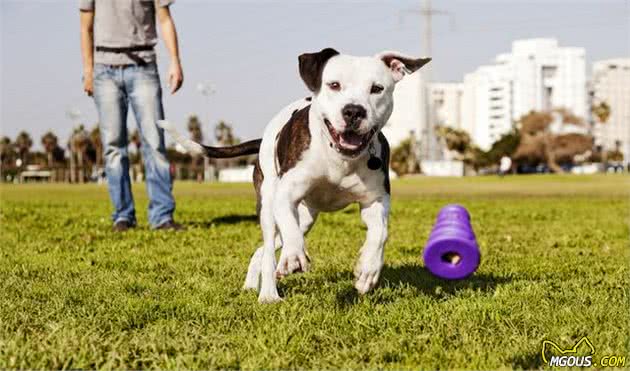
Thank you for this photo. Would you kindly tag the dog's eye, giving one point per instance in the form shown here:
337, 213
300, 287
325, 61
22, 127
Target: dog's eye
376, 89
336, 86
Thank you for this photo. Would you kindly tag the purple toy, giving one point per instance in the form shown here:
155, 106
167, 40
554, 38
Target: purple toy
451, 251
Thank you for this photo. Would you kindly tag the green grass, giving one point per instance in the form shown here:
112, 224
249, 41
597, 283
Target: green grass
73, 294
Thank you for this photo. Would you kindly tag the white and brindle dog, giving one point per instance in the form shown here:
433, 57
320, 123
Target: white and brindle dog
322, 154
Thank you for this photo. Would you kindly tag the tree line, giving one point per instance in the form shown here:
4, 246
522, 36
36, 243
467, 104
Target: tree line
531, 143
81, 157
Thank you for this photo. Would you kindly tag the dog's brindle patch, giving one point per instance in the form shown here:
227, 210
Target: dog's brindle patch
258, 179
385, 160
292, 141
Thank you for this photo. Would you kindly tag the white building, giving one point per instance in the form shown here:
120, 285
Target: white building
611, 84
487, 104
536, 75
445, 101
406, 119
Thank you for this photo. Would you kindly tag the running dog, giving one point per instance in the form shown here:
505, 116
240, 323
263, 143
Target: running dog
320, 154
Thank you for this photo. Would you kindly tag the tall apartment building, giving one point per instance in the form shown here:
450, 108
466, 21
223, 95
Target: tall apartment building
536, 75
405, 120
487, 104
445, 100
611, 84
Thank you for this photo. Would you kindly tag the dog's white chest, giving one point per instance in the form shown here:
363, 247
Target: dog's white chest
331, 196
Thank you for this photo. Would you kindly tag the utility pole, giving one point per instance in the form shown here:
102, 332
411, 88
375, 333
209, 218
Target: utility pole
428, 152
425, 78
74, 115
207, 89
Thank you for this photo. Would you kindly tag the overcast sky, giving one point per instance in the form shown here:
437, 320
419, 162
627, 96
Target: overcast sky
249, 49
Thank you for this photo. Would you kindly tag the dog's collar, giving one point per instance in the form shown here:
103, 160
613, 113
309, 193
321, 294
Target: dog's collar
374, 163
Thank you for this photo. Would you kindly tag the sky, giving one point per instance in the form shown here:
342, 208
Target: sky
248, 51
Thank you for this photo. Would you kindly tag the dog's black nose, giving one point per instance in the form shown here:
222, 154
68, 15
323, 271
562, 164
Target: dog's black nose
353, 114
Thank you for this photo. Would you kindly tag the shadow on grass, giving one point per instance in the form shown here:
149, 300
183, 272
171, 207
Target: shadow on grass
295, 283
415, 276
226, 220
527, 361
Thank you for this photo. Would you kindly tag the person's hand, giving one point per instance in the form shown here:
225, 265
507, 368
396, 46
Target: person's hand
88, 82
175, 76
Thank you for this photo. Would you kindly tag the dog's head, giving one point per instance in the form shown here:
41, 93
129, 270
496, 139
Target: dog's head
354, 95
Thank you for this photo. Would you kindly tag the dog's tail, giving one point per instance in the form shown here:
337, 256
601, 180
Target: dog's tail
246, 148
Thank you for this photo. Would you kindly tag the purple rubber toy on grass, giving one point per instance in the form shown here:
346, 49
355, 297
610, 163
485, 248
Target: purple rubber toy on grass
451, 251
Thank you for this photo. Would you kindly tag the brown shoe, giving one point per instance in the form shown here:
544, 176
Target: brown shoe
170, 226
122, 226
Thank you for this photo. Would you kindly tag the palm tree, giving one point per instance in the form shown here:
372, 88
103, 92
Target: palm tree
135, 158
136, 140
23, 143
538, 144
403, 158
224, 135
50, 143
97, 144
196, 134
455, 139
602, 112
78, 145
7, 152
194, 128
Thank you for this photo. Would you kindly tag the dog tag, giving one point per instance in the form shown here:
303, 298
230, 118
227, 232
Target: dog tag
374, 163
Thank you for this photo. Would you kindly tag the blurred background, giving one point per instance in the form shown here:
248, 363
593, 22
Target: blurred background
514, 87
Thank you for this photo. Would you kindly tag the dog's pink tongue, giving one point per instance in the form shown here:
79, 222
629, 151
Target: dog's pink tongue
351, 139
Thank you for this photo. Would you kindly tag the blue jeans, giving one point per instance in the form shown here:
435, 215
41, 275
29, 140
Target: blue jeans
115, 88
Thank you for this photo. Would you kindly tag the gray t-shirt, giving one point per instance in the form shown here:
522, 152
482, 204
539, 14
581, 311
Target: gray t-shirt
123, 24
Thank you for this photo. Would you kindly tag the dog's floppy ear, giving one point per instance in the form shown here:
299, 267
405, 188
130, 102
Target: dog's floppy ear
312, 65
401, 64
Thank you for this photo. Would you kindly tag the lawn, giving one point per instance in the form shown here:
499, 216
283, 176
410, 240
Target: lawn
74, 294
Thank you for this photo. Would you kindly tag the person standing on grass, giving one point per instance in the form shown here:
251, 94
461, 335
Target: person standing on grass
119, 70
505, 165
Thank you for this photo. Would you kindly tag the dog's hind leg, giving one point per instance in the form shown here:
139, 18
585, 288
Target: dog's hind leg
268, 289
255, 265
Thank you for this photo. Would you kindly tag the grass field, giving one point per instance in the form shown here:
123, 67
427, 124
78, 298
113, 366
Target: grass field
73, 294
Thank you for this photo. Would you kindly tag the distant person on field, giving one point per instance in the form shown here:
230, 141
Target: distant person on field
505, 165
119, 70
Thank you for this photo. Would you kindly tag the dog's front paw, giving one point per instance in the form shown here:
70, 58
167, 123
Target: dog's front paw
269, 296
367, 273
292, 261
251, 283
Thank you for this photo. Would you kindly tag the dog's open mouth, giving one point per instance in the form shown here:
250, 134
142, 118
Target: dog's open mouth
349, 143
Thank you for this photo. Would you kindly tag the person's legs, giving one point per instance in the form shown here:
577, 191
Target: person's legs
111, 102
145, 94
